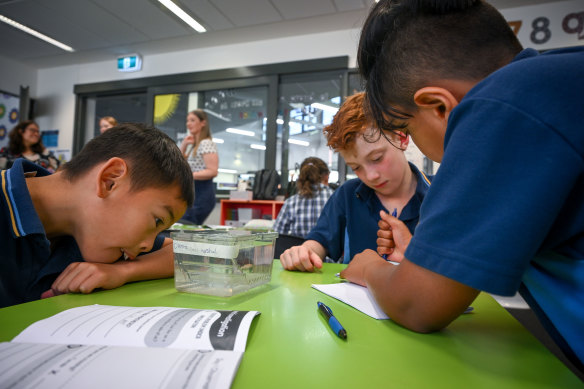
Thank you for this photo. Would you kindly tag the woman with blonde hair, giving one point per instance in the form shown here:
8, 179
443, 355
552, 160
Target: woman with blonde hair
201, 153
107, 122
301, 211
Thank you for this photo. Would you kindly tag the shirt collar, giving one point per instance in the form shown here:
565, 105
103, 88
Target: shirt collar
24, 218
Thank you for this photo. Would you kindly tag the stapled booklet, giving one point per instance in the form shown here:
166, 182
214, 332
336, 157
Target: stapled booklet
103, 346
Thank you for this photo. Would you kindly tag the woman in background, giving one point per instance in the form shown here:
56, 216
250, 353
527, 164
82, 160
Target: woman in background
201, 153
301, 211
25, 142
107, 122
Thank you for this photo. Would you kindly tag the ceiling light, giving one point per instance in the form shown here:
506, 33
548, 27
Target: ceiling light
325, 107
257, 147
240, 132
35, 33
218, 140
175, 9
299, 142
227, 171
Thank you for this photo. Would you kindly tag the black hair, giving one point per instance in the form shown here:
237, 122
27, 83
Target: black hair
154, 160
406, 45
312, 172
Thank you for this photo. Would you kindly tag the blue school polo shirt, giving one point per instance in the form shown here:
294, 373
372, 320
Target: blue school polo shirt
506, 207
28, 263
355, 207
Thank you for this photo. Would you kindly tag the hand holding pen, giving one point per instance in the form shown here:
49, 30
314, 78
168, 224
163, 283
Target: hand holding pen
385, 242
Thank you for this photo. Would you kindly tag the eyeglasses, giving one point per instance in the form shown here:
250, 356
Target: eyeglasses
33, 130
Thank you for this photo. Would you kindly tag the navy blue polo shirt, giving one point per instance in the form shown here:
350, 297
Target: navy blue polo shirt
29, 262
506, 208
355, 207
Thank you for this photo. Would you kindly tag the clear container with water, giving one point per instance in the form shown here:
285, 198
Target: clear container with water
222, 263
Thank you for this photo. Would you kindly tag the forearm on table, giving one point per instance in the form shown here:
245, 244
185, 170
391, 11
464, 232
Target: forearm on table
417, 298
157, 264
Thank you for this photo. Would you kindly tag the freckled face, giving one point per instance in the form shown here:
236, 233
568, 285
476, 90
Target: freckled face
381, 165
128, 222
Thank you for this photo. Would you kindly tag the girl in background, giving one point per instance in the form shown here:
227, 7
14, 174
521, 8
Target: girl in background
201, 153
25, 142
301, 211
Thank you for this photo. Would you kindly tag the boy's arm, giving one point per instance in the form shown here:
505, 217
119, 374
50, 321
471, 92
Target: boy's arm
84, 277
306, 257
412, 296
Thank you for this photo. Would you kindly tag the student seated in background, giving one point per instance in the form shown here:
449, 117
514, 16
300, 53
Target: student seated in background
25, 141
506, 210
386, 181
301, 211
85, 226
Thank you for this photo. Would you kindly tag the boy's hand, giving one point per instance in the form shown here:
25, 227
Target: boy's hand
362, 262
300, 258
393, 237
84, 277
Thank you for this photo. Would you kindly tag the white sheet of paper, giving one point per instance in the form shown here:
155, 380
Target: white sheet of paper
354, 295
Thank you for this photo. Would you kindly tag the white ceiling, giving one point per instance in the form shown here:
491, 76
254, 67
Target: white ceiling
99, 29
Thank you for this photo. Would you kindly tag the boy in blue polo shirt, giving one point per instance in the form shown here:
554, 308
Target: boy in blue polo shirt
71, 231
506, 209
386, 181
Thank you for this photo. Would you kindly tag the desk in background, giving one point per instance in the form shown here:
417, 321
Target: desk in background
291, 346
265, 207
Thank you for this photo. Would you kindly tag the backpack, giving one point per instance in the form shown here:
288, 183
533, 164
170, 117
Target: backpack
265, 184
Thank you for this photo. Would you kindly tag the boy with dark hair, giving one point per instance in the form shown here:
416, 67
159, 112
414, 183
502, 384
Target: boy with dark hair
385, 181
71, 231
506, 210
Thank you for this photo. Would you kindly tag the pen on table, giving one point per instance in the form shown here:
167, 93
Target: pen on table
394, 214
332, 321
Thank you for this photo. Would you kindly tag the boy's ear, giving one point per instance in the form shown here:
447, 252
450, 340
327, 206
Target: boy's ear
110, 175
404, 140
436, 101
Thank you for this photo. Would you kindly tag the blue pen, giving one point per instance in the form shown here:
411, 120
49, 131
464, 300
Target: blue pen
332, 321
394, 214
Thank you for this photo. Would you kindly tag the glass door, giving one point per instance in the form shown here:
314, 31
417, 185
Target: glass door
307, 104
238, 119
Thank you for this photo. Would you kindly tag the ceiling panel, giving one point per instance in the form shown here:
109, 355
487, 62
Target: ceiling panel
151, 23
98, 28
303, 8
351, 5
248, 12
18, 46
208, 14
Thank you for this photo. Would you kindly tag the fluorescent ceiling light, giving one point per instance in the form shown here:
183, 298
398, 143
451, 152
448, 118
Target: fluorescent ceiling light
240, 132
299, 142
175, 9
257, 147
218, 140
280, 121
35, 33
227, 171
325, 107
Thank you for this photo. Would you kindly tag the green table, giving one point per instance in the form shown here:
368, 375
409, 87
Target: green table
291, 346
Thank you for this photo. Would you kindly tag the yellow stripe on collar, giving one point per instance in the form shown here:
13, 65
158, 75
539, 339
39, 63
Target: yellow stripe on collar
12, 218
425, 178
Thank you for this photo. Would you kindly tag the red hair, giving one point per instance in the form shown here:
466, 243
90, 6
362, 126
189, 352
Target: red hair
349, 122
